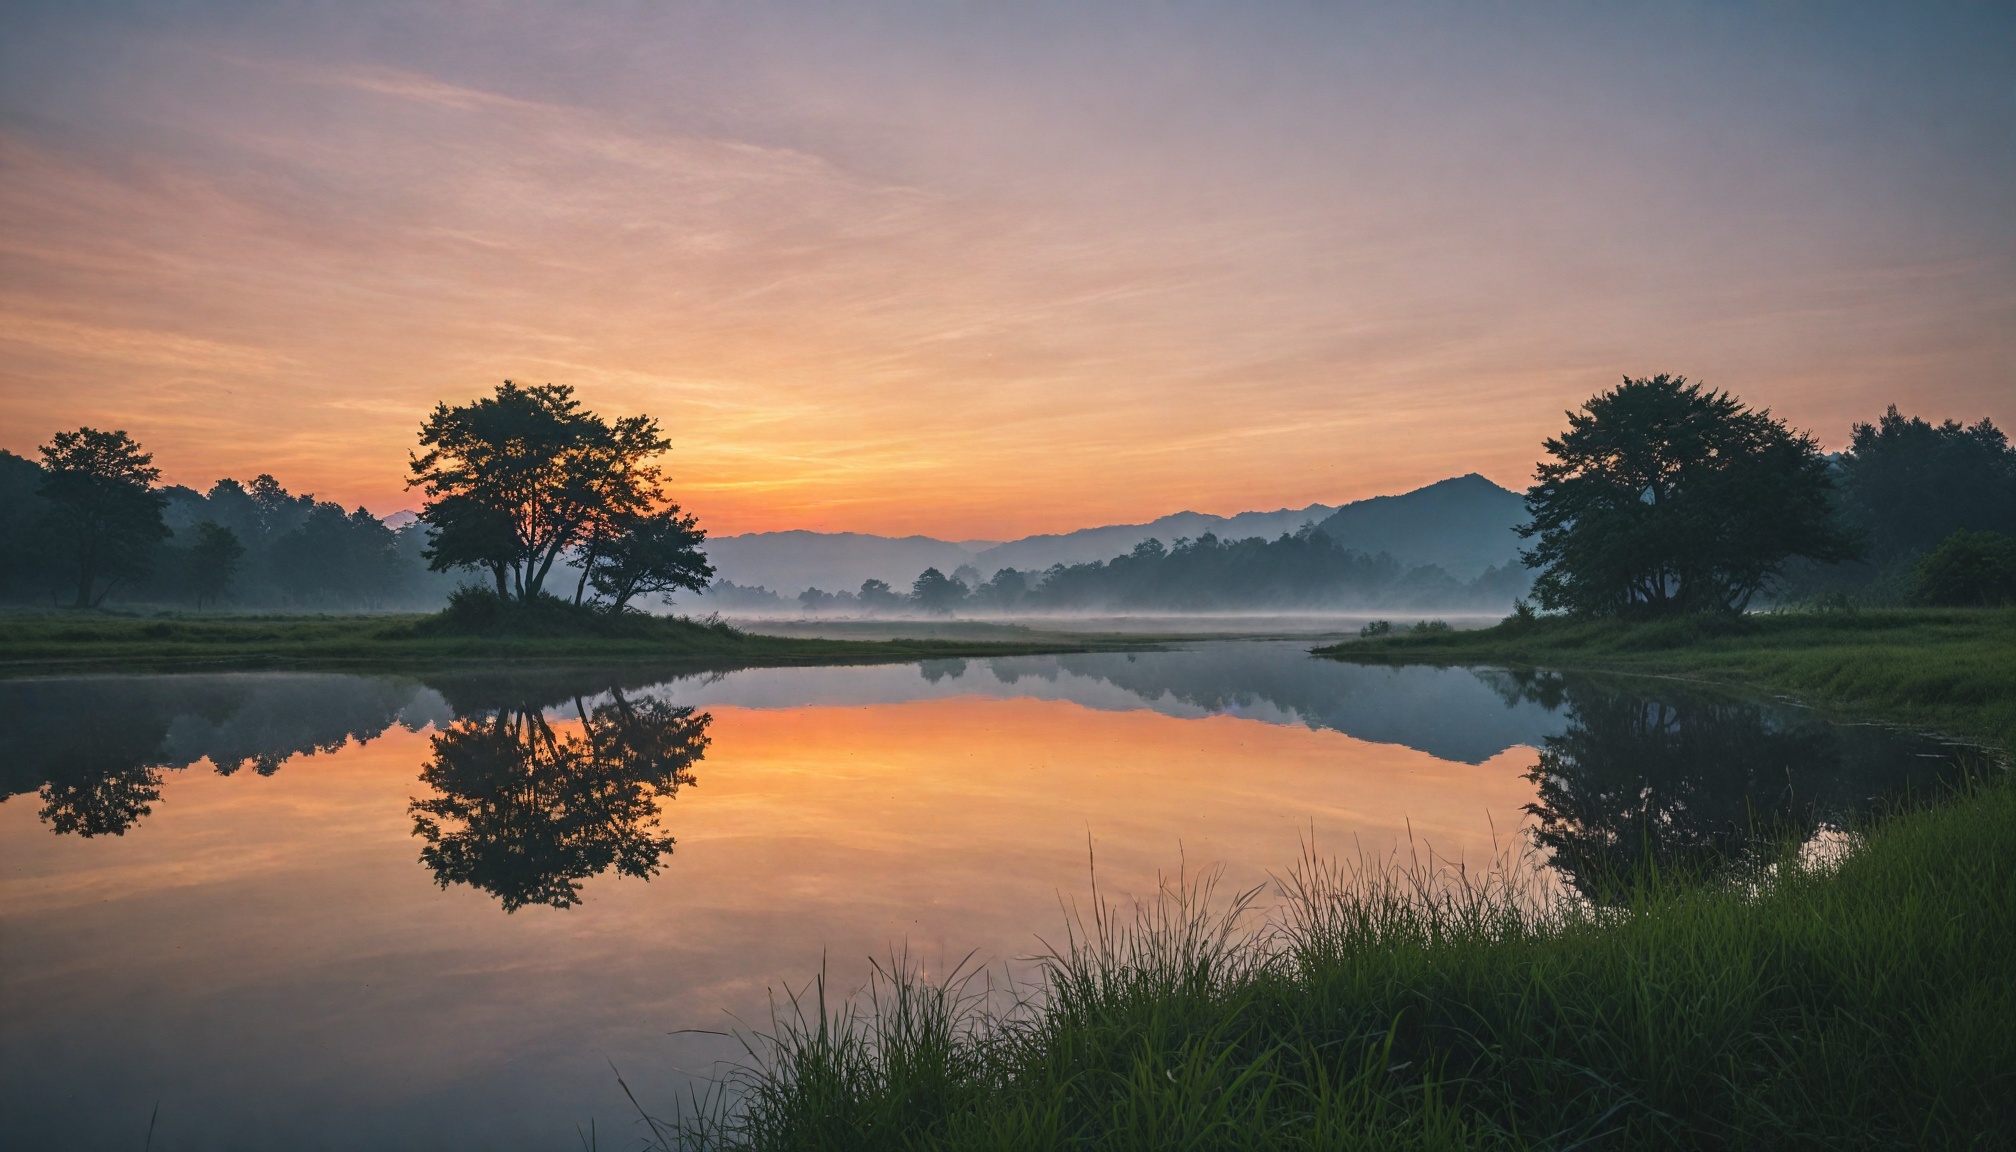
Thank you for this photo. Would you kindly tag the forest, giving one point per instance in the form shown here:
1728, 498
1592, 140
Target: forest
247, 545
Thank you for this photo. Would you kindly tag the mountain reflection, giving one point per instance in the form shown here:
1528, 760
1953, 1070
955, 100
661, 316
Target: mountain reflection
1693, 784
526, 813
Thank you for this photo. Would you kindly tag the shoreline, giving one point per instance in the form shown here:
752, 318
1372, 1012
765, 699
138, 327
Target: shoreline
32, 645
1949, 670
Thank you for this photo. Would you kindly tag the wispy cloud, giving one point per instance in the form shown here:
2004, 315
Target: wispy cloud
967, 281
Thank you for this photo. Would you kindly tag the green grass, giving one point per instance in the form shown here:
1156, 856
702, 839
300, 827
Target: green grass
31, 643
1865, 1003
1949, 669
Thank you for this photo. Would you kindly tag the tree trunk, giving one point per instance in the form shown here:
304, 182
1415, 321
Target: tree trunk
581, 585
546, 565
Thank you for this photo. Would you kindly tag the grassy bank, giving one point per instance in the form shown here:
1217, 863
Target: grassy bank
45, 642
1860, 1005
1858, 1002
1949, 669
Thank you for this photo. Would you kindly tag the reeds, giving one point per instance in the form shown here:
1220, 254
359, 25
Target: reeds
1863, 999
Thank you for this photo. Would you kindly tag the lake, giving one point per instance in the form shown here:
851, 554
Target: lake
319, 910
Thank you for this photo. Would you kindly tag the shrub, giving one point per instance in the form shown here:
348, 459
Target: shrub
1968, 569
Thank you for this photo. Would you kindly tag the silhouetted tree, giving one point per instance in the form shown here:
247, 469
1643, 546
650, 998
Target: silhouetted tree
213, 560
518, 479
1663, 497
104, 517
646, 555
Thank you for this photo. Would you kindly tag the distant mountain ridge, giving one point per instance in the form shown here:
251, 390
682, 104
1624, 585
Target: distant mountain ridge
1089, 544
1463, 524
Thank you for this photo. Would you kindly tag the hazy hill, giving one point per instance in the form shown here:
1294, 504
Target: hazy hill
1464, 524
1087, 544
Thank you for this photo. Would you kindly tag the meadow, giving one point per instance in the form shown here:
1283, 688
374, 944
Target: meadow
35, 642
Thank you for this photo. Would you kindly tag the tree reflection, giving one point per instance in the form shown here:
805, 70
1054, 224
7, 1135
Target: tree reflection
1691, 785
101, 802
526, 813
98, 751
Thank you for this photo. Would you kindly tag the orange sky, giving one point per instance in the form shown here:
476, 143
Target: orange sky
982, 274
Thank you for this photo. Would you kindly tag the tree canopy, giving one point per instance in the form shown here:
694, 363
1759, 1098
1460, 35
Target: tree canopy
523, 478
104, 516
1967, 569
1664, 497
1909, 484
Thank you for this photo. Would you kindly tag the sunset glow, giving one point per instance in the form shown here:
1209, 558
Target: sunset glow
983, 272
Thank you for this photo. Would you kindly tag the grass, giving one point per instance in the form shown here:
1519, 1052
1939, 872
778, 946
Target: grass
1859, 1003
1948, 669
40, 642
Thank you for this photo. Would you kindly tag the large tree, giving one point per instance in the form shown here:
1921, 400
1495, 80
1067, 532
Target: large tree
1664, 497
104, 516
517, 480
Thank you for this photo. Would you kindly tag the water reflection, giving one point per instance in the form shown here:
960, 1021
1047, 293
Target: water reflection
526, 811
1693, 783
1446, 712
95, 749
538, 779
267, 959
525, 806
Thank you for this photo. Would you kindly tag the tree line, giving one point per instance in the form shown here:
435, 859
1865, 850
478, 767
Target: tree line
1660, 497
519, 486
1664, 497
1299, 570
89, 523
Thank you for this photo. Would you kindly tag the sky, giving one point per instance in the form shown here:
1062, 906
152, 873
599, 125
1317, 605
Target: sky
980, 270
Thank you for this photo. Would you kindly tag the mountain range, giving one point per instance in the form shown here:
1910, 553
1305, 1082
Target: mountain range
1463, 525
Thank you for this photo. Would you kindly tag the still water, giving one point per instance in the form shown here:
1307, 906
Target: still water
315, 910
